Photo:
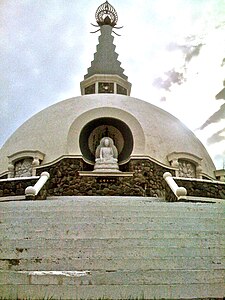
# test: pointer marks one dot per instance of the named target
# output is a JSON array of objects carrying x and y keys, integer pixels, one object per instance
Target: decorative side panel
[
  {"x": 23, "y": 167},
  {"x": 186, "y": 169}
]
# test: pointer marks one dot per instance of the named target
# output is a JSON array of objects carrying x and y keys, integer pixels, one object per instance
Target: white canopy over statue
[{"x": 106, "y": 156}]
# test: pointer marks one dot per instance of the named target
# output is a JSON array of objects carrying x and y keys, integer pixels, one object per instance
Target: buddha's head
[{"x": 106, "y": 142}]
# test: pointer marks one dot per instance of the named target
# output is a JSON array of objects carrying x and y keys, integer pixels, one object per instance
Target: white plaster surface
[
  {"x": 57, "y": 273},
  {"x": 55, "y": 130}
]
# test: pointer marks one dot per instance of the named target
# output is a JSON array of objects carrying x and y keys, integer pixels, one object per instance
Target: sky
[{"x": 173, "y": 53}]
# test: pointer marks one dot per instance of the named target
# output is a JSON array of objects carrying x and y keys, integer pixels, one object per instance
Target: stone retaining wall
[
  {"x": 15, "y": 187},
  {"x": 146, "y": 181},
  {"x": 198, "y": 188},
  {"x": 66, "y": 181}
]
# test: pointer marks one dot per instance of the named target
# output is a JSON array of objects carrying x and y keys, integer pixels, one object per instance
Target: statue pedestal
[
  {"x": 106, "y": 167},
  {"x": 106, "y": 173}
]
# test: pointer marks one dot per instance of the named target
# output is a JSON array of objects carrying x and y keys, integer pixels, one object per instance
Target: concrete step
[
  {"x": 114, "y": 285},
  {"x": 105, "y": 234},
  {"x": 86, "y": 204},
  {"x": 112, "y": 224},
  {"x": 115, "y": 292},
  {"x": 118, "y": 211},
  {"x": 113, "y": 253},
  {"x": 113, "y": 277},
  {"x": 111, "y": 247},
  {"x": 184, "y": 241},
  {"x": 82, "y": 228},
  {"x": 148, "y": 213},
  {"x": 107, "y": 202},
  {"x": 132, "y": 264},
  {"x": 96, "y": 216}
]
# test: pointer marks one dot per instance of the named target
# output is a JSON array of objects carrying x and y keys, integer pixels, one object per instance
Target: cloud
[
  {"x": 163, "y": 99},
  {"x": 188, "y": 50},
  {"x": 171, "y": 77},
  {"x": 217, "y": 137},
  {"x": 192, "y": 52},
  {"x": 215, "y": 118},
  {"x": 223, "y": 62},
  {"x": 221, "y": 94}
]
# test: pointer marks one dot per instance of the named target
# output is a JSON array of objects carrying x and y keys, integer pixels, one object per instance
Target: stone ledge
[
  {"x": 12, "y": 198},
  {"x": 199, "y": 180},
  {"x": 19, "y": 178},
  {"x": 106, "y": 174},
  {"x": 202, "y": 199}
]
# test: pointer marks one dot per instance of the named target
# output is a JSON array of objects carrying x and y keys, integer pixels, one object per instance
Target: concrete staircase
[{"x": 111, "y": 248}]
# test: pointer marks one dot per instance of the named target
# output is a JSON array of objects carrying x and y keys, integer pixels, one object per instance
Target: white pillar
[
  {"x": 114, "y": 88},
  {"x": 11, "y": 170},
  {"x": 199, "y": 171},
  {"x": 175, "y": 164},
  {"x": 35, "y": 163},
  {"x": 96, "y": 87}
]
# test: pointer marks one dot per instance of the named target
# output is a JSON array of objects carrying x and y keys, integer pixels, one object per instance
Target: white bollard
[
  {"x": 30, "y": 191},
  {"x": 34, "y": 190},
  {"x": 178, "y": 191}
]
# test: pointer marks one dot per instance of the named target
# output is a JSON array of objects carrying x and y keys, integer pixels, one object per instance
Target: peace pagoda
[{"x": 106, "y": 196}]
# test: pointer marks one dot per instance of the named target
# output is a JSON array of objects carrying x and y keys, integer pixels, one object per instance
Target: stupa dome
[{"x": 74, "y": 127}]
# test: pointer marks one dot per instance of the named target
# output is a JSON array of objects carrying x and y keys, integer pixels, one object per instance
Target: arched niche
[{"x": 118, "y": 121}]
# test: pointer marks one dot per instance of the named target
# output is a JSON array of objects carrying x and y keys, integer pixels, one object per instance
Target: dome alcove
[{"x": 96, "y": 129}]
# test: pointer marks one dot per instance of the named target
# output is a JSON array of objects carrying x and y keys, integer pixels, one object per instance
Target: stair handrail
[
  {"x": 179, "y": 191},
  {"x": 32, "y": 191}
]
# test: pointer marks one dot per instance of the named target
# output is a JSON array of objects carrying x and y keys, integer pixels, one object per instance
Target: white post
[
  {"x": 179, "y": 192},
  {"x": 34, "y": 190},
  {"x": 115, "y": 92},
  {"x": 35, "y": 163},
  {"x": 11, "y": 170},
  {"x": 96, "y": 87}
]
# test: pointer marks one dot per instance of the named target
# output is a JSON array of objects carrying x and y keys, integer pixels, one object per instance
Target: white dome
[{"x": 56, "y": 130}]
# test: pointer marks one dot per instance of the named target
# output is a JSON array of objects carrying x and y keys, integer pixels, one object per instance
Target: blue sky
[{"x": 172, "y": 52}]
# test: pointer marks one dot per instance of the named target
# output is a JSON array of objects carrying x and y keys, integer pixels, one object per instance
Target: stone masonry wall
[
  {"x": 66, "y": 181},
  {"x": 198, "y": 188},
  {"x": 146, "y": 181},
  {"x": 15, "y": 187},
  {"x": 202, "y": 188}
]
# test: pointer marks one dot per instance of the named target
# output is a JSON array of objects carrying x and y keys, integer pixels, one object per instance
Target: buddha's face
[{"x": 106, "y": 142}]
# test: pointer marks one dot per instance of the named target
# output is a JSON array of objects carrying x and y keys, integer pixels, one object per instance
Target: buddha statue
[{"x": 106, "y": 156}]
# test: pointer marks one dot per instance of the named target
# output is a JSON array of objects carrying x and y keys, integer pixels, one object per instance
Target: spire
[
  {"x": 105, "y": 75},
  {"x": 105, "y": 59}
]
